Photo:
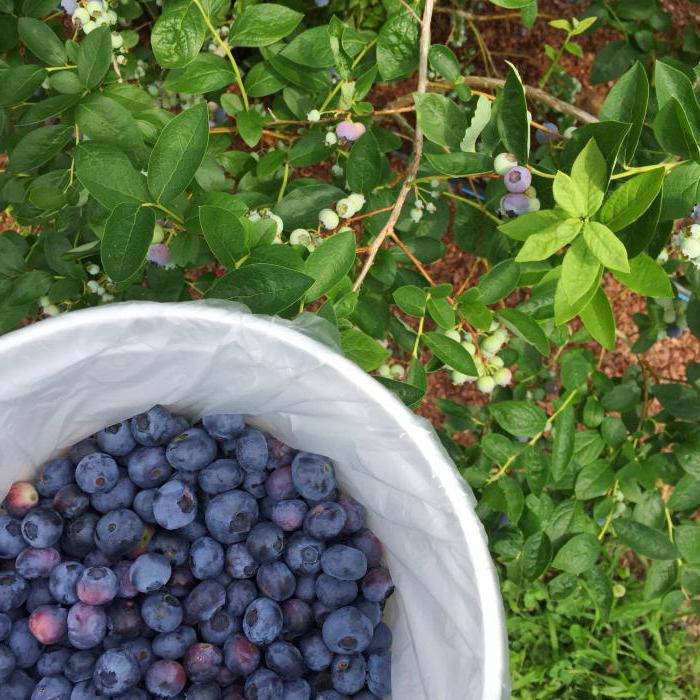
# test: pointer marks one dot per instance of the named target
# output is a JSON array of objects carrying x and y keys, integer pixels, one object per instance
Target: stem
[
  {"x": 555, "y": 63},
  {"x": 417, "y": 150},
  {"x": 340, "y": 83},
  {"x": 541, "y": 173},
  {"x": 628, "y": 172},
  {"x": 285, "y": 178},
  {"x": 227, "y": 51},
  {"x": 51, "y": 69},
  {"x": 165, "y": 210},
  {"x": 483, "y": 210},
  {"x": 414, "y": 353},
  {"x": 608, "y": 520}
]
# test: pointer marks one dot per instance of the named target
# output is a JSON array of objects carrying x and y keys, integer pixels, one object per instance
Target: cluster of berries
[
  {"x": 92, "y": 15},
  {"x": 490, "y": 367},
  {"x": 687, "y": 240},
  {"x": 673, "y": 315},
  {"x": 344, "y": 209},
  {"x": 522, "y": 196},
  {"x": 260, "y": 214},
  {"x": 346, "y": 131}
]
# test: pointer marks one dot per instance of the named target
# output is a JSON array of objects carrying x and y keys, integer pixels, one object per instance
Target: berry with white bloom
[
  {"x": 95, "y": 9},
  {"x": 430, "y": 208},
  {"x": 336, "y": 170},
  {"x": 453, "y": 333},
  {"x": 331, "y": 139},
  {"x": 415, "y": 215},
  {"x": 328, "y": 219},
  {"x": 384, "y": 371},
  {"x": 81, "y": 15},
  {"x": 344, "y": 208},
  {"x": 52, "y": 310},
  {"x": 89, "y": 26},
  {"x": 357, "y": 200},
  {"x": 93, "y": 269},
  {"x": 504, "y": 162},
  {"x": 111, "y": 17},
  {"x": 117, "y": 40},
  {"x": 397, "y": 372},
  {"x": 486, "y": 385},
  {"x": 503, "y": 377},
  {"x": 93, "y": 286},
  {"x": 314, "y": 115},
  {"x": 44, "y": 301},
  {"x": 690, "y": 247},
  {"x": 300, "y": 236}
]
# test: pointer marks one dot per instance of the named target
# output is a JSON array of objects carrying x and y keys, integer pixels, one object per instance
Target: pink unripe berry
[
  {"x": 517, "y": 179},
  {"x": 48, "y": 623},
  {"x": 20, "y": 499},
  {"x": 160, "y": 254},
  {"x": 350, "y": 131},
  {"x": 515, "y": 205}
]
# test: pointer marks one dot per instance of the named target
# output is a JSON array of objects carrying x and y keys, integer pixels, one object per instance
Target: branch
[{"x": 417, "y": 150}]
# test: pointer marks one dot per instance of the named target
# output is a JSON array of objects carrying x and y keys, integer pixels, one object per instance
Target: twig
[
  {"x": 411, "y": 10},
  {"x": 417, "y": 150}
]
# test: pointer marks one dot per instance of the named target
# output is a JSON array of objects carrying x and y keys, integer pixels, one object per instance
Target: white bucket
[{"x": 64, "y": 378}]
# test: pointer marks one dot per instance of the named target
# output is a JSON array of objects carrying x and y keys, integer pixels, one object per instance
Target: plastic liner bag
[{"x": 64, "y": 378}]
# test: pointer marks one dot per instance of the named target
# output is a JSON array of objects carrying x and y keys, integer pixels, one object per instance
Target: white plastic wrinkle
[{"x": 64, "y": 378}]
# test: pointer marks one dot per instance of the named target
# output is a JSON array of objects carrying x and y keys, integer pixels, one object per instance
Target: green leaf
[
  {"x": 589, "y": 174},
  {"x": 300, "y": 208},
  {"x": 563, "y": 443},
  {"x": 609, "y": 137},
  {"x": 178, "y": 34},
  {"x": 38, "y": 37},
  {"x": 578, "y": 554},
  {"x": 479, "y": 122},
  {"x": 127, "y": 237},
  {"x": 645, "y": 540},
  {"x": 411, "y": 300},
  {"x": 397, "y": 46},
  {"x": 569, "y": 196},
  {"x": 524, "y": 327},
  {"x": 474, "y": 310},
  {"x": 580, "y": 271},
  {"x": 459, "y": 164},
  {"x": 260, "y": 81},
  {"x": 95, "y": 57},
  {"x": 250, "y": 126},
  {"x": 674, "y": 132},
  {"x": 329, "y": 263},
  {"x": 646, "y": 277},
  {"x": 519, "y": 418},
  {"x": 263, "y": 288},
  {"x": 108, "y": 175},
  {"x": 536, "y": 464},
  {"x": 205, "y": 74},
  {"x": 408, "y": 393},
  {"x": 680, "y": 401},
  {"x": 262, "y": 25},
  {"x": 499, "y": 281},
  {"x": 606, "y": 246},
  {"x": 661, "y": 576},
  {"x": 224, "y": 234},
  {"x": 104, "y": 119},
  {"x": 688, "y": 542},
  {"x": 39, "y": 147},
  {"x": 512, "y": 4},
  {"x": 20, "y": 82},
  {"x": 48, "y": 108},
  {"x": 311, "y": 48},
  {"x": 627, "y": 102},
  {"x": 627, "y": 203},
  {"x": 440, "y": 119},
  {"x": 28, "y": 287},
  {"x": 362, "y": 349},
  {"x": 540, "y": 246},
  {"x": 688, "y": 456},
  {"x": 686, "y": 495},
  {"x": 11, "y": 258},
  {"x": 178, "y": 153},
  {"x": 364, "y": 166},
  {"x": 681, "y": 191},
  {"x": 521, "y": 228},
  {"x": 444, "y": 62},
  {"x": 594, "y": 480},
  {"x": 451, "y": 353},
  {"x": 342, "y": 60},
  {"x": 599, "y": 321},
  {"x": 671, "y": 84},
  {"x": 441, "y": 312},
  {"x": 513, "y": 122}
]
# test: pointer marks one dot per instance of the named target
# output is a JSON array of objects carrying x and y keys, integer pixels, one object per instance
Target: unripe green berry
[
  {"x": 486, "y": 385},
  {"x": 504, "y": 162},
  {"x": 328, "y": 219}
]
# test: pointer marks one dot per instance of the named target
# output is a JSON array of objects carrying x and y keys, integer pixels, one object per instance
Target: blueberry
[
  {"x": 148, "y": 467},
  {"x": 382, "y": 638},
  {"x": 116, "y": 440},
  {"x": 181, "y": 582},
  {"x": 19, "y": 686},
  {"x": 379, "y": 673},
  {"x": 219, "y": 627},
  {"x": 39, "y": 594},
  {"x": 48, "y": 624},
  {"x": 239, "y": 595},
  {"x": 251, "y": 450},
  {"x": 231, "y": 515},
  {"x": 162, "y": 612},
  {"x": 20, "y": 499},
  {"x": 194, "y": 530},
  {"x": 368, "y": 543},
  {"x": 313, "y": 476},
  {"x": 334, "y": 592},
  {"x": 5, "y": 626},
  {"x": 175, "y": 505},
  {"x": 276, "y": 581},
  {"x": 289, "y": 515},
  {"x": 297, "y": 690},
  {"x": 265, "y": 505},
  {"x": 42, "y": 527},
  {"x": 53, "y": 475},
  {"x": 372, "y": 610},
  {"x": 317, "y": 656},
  {"x": 118, "y": 531},
  {"x": 297, "y": 617},
  {"x": 303, "y": 554},
  {"x": 306, "y": 587},
  {"x": 329, "y": 694},
  {"x": 52, "y": 688},
  {"x": 514, "y": 205},
  {"x": 517, "y": 179},
  {"x": 50, "y": 663},
  {"x": 285, "y": 659},
  {"x": 97, "y": 472},
  {"x": 263, "y": 684},
  {"x": 13, "y": 590},
  {"x": 254, "y": 483},
  {"x": 355, "y": 513},
  {"x": 173, "y": 645},
  {"x": 165, "y": 678},
  {"x": 121, "y": 496},
  {"x": 241, "y": 656},
  {"x": 206, "y": 558},
  {"x": 278, "y": 454},
  {"x": 7, "y": 663},
  {"x": 204, "y": 691},
  {"x": 543, "y": 137},
  {"x": 325, "y": 521},
  {"x": 124, "y": 618},
  {"x": 115, "y": 672},
  {"x": 674, "y": 331},
  {"x": 191, "y": 450},
  {"x": 348, "y": 673},
  {"x": 87, "y": 626},
  {"x": 221, "y": 475},
  {"x": 279, "y": 484},
  {"x": 204, "y": 600},
  {"x": 343, "y": 562},
  {"x": 202, "y": 661},
  {"x": 80, "y": 666},
  {"x": 265, "y": 542},
  {"x": 71, "y": 501},
  {"x": 377, "y": 585},
  {"x": 174, "y": 547},
  {"x": 157, "y": 426},
  {"x": 83, "y": 448},
  {"x": 36, "y": 563},
  {"x": 347, "y": 631},
  {"x": 143, "y": 505},
  {"x": 150, "y": 572},
  {"x": 11, "y": 540},
  {"x": 79, "y": 535},
  {"x": 262, "y": 621},
  {"x": 23, "y": 644},
  {"x": 223, "y": 426},
  {"x": 85, "y": 690},
  {"x": 320, "y": 612}
]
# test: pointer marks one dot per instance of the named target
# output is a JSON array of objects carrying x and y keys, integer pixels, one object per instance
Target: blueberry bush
[{"x": 317, "y": 157}]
